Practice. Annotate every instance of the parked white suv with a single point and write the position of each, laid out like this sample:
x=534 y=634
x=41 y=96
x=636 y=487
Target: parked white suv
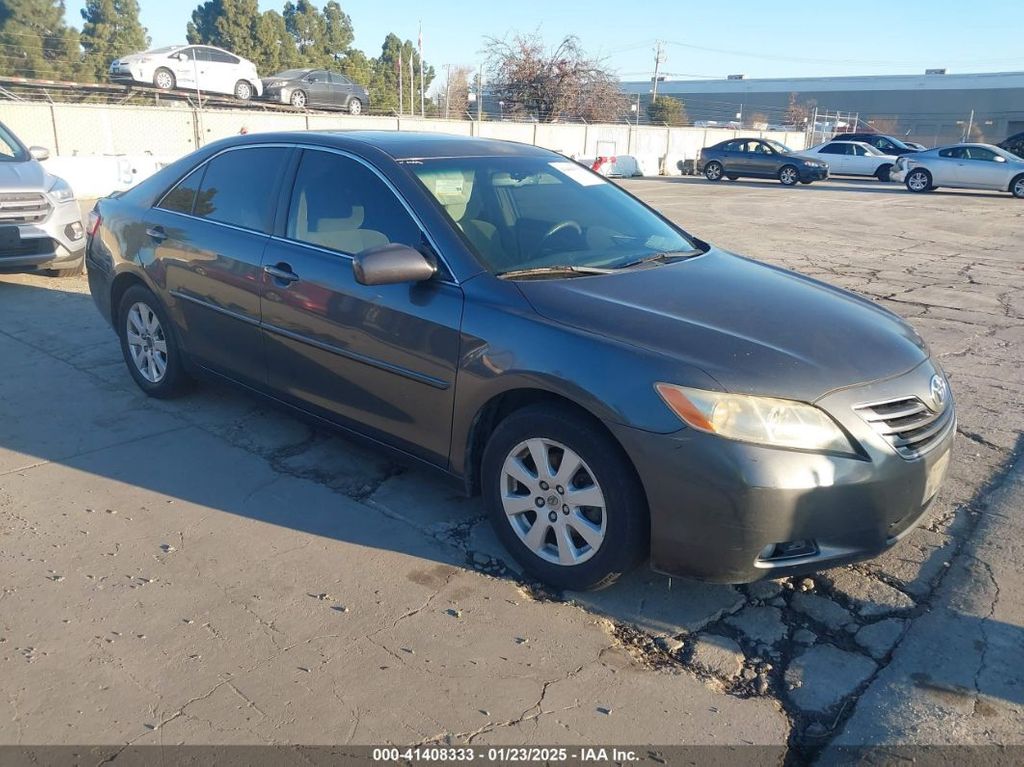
x=190 y=67
x=40 y=223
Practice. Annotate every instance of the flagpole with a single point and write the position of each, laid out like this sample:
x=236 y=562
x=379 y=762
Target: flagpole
x=423 y=93
x=412 y=88
x=401 y=80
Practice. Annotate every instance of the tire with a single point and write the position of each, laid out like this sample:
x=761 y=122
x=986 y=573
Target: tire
x=617 y=523
x=243 y=90
x=919 y=180
x=788 y=175
x=355 y=106
x=144 y=366
x=713 y=171
x=882 y=174
x=1017 y=187
x=164 y=79
x=298 y=99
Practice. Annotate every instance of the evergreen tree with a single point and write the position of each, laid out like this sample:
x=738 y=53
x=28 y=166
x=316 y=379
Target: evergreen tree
x=276 y=48
x=307 y=27
x=338 y=33
x=36 y=42
x=229 y=24
x=111 y=29
x=667 y=110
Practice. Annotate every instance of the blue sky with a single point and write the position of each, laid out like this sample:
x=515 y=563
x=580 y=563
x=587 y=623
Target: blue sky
x=758 y=39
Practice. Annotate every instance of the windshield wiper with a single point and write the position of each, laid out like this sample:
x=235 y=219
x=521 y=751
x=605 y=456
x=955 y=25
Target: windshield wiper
x=561 y=269
x=661 y=258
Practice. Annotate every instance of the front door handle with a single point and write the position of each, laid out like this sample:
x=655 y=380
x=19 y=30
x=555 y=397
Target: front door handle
x=281 y=273
x=157 y=233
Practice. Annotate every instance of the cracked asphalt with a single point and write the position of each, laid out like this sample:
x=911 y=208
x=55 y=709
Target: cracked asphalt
x=214 y=571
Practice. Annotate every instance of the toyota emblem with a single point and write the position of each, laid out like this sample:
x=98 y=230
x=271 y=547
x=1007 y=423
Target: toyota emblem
x=938 y=391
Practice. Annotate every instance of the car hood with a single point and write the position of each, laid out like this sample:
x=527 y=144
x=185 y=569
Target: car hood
x=24 y=176
x=754 y=328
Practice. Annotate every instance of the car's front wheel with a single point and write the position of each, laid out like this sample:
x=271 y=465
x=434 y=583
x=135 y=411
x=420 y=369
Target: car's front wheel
x=788 y=175
x=919 y=181
x=243 y=90
x=1017 y=187
x=564 y=498
x=148 y=344
x=713 y=171
x=163 y=79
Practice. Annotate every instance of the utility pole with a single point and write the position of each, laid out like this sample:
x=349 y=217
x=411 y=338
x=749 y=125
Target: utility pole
x=401 y=82
x=412 y=87
x=423 y=90
x=970 y=124
x=659 y=57
x=480 y=94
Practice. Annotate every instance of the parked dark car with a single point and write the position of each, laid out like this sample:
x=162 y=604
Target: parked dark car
x=758 y=158
x=885 y=144
x=614 y=387
x=316 y=88
x=1014 y=144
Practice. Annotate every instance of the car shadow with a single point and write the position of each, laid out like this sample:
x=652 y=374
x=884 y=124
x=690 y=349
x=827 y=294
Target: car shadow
x=67 y=402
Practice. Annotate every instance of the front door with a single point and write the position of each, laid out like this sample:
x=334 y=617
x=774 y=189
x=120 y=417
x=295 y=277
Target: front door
x=978 y=167
x=208 y=235
x=318 y=88
x=380 y=359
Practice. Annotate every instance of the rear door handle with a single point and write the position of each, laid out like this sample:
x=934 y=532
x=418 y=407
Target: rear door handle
x=282 y=273
x=157 y=233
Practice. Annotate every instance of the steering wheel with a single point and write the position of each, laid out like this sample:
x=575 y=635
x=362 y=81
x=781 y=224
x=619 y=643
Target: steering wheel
x=561 y=226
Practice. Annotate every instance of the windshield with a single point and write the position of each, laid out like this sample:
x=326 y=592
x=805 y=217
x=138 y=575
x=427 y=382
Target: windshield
x=534 y=212
x=782 y=148
x=290 y=74
x=11 y=150
x=165 y=49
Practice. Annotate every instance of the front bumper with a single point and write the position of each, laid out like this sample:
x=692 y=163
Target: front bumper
x=813 y=174
x=899 y=175
x=47 y=245
x=718 y=506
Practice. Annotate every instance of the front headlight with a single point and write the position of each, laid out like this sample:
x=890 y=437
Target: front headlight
x=762 y=420
x=813 y=163
x=61 y=191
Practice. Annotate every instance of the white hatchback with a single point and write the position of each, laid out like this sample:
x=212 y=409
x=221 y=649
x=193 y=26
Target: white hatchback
x=190 y=67
x=852 y=158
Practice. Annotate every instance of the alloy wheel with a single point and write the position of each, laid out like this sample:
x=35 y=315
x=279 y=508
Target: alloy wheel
x=553 y=501
x=146 y=342
x=788 y=176
x=164 y=80
x=917 y=181
x=713 y=171
x=1018 y=187
x=298 y=99
x=355 y=107
x=243 y=91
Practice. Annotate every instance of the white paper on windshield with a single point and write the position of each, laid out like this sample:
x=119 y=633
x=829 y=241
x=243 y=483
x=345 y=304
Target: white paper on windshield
x=577 y=173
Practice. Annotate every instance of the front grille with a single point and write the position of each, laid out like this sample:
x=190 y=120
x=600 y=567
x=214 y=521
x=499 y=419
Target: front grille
x=29 y=246
x=23 y=208
x=909 y=425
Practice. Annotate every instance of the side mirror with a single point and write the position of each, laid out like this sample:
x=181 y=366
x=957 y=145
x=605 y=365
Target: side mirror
x=39 y=153
x=390 y=265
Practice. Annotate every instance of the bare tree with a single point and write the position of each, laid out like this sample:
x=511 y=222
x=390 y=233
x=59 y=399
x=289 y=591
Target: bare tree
x=552 y=85
x=798 y=114
x=453 y=96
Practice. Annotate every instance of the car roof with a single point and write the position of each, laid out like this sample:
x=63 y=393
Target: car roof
x=400 y=145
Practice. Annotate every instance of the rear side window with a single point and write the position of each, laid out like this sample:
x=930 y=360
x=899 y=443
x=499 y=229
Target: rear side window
x=222 y=57
x=953 y=152
x=240 y=187
x=833 y=149
x=182 y=197
x=340 y=204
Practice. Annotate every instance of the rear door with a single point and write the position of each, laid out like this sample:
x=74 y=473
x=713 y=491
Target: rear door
x=341 y=89
x=379 y=359
x=208 y=234
x=223 y=70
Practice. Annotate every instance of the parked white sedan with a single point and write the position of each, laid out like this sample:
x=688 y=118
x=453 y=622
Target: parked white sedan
x=192 y=67
x=962 y=166
x=852 y=158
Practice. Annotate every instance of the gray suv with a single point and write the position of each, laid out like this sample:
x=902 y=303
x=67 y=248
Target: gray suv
x=40 y=223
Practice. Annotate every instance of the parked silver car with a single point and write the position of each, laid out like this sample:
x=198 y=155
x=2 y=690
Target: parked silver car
x=40 y=223
x=963 y=166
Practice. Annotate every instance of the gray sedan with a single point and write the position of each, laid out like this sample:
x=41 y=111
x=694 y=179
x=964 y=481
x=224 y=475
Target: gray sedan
x=316 y=88
x=615 y=388
x=962 y=166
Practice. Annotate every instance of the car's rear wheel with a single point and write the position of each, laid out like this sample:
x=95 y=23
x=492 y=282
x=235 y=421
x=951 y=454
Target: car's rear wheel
x=713 y=171
x=164 y=79
x=564 y=499
x=243 y=90
x=148 y=344
x=298 y=99
x=882 y=174
x=1017 y=187
x=919 y=180
x=355 y=106
x=788 y=175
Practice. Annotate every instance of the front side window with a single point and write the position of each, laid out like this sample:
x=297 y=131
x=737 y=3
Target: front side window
x=979 y=153
x=534 y=212
x=953 y=152
x=340 y=204
x=240 y=187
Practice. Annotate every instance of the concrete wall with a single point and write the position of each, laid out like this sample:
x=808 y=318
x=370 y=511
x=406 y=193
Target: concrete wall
x=146 y=136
